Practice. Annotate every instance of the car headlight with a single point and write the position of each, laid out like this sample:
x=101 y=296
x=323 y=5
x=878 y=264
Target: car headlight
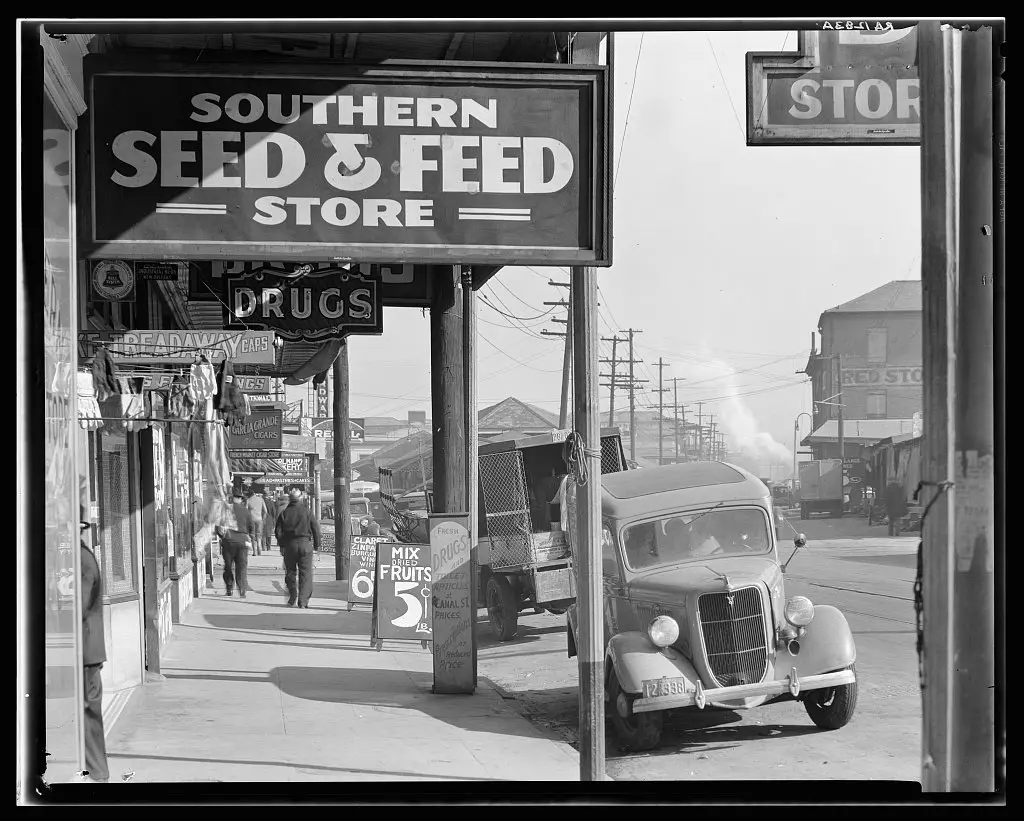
x=663 y=631
x=799 y=611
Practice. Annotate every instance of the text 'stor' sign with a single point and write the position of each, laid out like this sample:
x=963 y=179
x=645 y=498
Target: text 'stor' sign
x=361 y=563
x=403 y=591
x=260 y=429
x=883 y=377
x=452 y=601
x=845 y=87
x=500 y=165
x=310 y=305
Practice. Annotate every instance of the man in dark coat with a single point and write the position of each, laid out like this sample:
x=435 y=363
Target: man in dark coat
x=94 y=654
x=235 y=541
x=298 y=534
x=895 y=506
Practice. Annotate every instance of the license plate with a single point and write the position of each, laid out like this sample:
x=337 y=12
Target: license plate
x=653 y=688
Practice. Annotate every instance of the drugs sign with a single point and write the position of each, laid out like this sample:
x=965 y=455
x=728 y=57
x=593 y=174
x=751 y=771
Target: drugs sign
x=433 y=163
x=856 y=87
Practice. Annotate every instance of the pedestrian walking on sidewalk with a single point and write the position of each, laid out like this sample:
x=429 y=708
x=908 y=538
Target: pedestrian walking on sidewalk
x=258 y=511
x=895 y=506
x=94 y=654
x=298 y=534
x=235 y=540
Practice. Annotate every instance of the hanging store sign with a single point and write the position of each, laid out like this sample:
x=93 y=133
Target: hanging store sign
x=857 y=86
x=433 y=163
x=253 y=385
x=113 y=280
x=184 y=347
x=882 y=377
x=322 y=401
x=309 y=305
x=260 y=429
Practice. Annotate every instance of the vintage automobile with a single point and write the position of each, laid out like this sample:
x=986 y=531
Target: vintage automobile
x=695 y=612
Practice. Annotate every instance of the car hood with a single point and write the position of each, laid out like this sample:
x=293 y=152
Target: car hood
x=668 y=583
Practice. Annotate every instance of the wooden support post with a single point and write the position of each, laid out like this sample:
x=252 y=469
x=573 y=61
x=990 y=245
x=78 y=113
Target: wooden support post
x=447 y=388
x=342 y=464
x=587 y=423
x=973 y=677
x=472 y=445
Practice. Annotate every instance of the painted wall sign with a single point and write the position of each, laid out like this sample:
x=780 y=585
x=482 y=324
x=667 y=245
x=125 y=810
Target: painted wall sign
x=113 y=280
x=883 y=377
x=451 y=601
x=184 y=347
x=253 y=385
x=498 y=164
x=310 y=305
x=402 y=592
x=362 y=560
x=261 y=429
x=855 y=87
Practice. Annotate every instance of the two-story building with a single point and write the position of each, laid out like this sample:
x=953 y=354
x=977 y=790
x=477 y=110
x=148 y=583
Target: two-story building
x=870 y=365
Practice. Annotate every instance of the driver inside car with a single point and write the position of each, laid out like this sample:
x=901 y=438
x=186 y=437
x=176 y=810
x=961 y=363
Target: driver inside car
x=641 y=548
x=703 y=541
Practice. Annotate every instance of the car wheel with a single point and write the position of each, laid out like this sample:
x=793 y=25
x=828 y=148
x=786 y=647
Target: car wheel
x=502 y=608
x=833 y=707
x=633 y=731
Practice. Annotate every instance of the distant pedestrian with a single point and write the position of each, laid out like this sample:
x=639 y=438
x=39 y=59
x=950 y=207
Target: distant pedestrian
x=258 y=511
x=895 y=506
x=298 y=534
x=94 y=654
x=235 y=540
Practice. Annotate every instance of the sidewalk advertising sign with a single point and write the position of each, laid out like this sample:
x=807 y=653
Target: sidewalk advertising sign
x=260 y=429
x=401 y=594
x=307 y=304
x=452 y=600
x=855 y=85
x=184 y=347
x=427 y=162
x=362 y=563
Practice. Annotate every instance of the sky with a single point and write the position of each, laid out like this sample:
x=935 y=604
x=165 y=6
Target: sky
x=724 y=255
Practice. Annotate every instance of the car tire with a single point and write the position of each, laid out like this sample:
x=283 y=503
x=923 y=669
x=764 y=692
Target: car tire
x=635 y=731
x=832 y=708
x=502 y=608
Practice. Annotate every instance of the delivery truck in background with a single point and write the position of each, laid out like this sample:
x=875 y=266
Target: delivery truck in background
x=821 y=487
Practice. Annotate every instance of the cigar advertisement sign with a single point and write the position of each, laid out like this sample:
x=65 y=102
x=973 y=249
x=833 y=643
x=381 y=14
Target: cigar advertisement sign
x=855 y=84
x=259 y=430
x=429 y=163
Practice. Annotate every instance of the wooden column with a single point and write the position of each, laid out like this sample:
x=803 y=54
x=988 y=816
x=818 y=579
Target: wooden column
x=939 y=275
x=150 y=585
x=472 y=444
x=587 y=424
x=342 y=463
x=447 y=392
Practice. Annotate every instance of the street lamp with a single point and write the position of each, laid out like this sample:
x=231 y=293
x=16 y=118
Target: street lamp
x=796 y=430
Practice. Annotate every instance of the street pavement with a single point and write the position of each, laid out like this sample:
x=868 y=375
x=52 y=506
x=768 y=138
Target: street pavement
x=859 y=569
x=255 y=691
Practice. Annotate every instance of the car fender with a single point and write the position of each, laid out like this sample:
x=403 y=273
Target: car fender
x=636 y=659
x=826 y=645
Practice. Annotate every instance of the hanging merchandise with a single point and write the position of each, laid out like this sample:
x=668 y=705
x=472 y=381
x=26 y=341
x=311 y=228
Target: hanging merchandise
x=248 y=406
x=179 y=401
x=89 y=414
x=134 y=407
x=104 y=375
x=230 y=401
x=202 y=382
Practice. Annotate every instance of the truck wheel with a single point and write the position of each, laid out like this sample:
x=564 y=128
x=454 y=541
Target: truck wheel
x=502 y=608
x=832 y=708
x=633 y=731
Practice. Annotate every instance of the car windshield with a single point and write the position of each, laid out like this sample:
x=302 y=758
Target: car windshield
x=695 y=535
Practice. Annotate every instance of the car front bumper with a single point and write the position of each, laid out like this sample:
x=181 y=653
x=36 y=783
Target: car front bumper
x=700 y=697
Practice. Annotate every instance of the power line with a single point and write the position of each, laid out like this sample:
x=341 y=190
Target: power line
x=632 y=90
x=732 y=106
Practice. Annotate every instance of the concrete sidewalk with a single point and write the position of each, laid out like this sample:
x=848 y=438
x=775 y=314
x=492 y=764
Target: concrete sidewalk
x=256 y=691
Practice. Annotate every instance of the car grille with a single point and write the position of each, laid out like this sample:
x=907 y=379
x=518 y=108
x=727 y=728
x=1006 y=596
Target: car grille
x=734 y=635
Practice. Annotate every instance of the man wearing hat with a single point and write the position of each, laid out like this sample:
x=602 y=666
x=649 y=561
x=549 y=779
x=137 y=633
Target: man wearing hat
x=94 y=654
x=236 y=539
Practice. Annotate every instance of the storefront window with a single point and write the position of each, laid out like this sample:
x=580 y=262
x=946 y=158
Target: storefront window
x=61 y=537
x=161 y=506
x=181 y=504
x=112 y=459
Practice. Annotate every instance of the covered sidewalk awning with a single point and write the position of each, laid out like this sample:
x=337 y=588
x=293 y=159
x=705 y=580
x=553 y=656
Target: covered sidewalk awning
x=861 y=431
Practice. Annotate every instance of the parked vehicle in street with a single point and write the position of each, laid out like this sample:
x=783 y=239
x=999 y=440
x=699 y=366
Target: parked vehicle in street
x=821 y=487
x=522 y=552
x=695 y=611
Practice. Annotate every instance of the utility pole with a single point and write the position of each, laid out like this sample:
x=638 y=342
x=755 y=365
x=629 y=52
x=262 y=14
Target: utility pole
x=700 y=431
x=342 y=463
x=632 y=395
x=962 y=281
x=661 y=412
x=614 y=362
x=675 y=407
x=563 y=410
x=839 y=399
x=711 y=437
